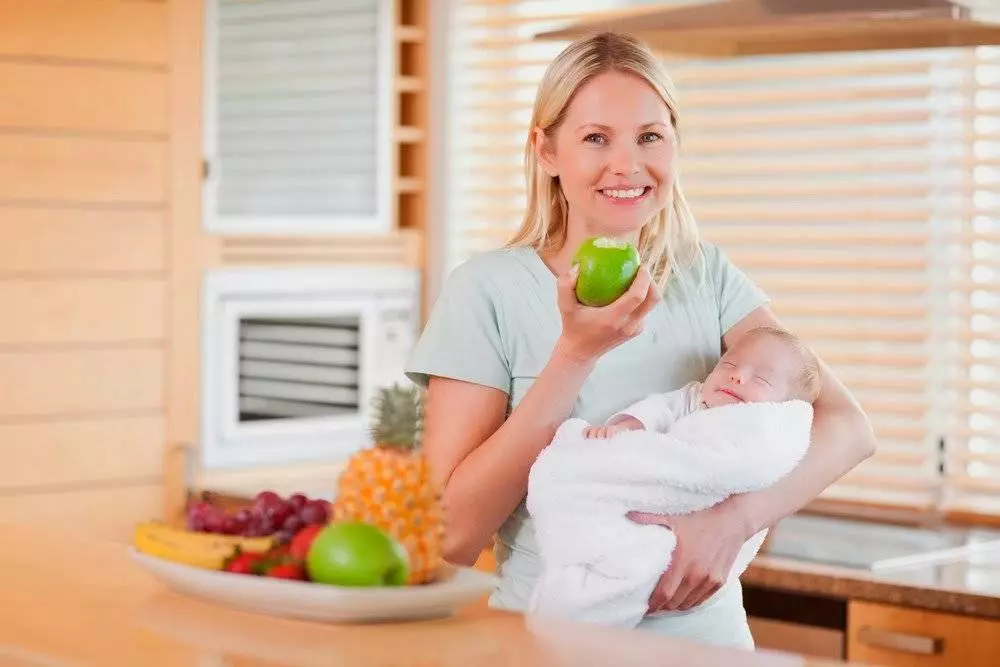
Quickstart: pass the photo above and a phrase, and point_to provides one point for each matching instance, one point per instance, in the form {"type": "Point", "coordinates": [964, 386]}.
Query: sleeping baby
{"type": "Point", "coordinates": [743, 428]}
{"type": "Point", "coordinates": [767, 365]}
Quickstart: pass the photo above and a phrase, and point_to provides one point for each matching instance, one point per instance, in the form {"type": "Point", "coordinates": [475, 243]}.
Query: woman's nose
{"type": "Point", "coordinates": [736, 377]}
{"type": "Point", "coordinates": [625, 160]}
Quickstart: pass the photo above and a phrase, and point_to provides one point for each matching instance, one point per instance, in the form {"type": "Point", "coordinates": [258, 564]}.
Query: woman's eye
{"type": "Point", "coordinates": [763, 380]}
{"type": "Point", "coordinates": [649, 137]}
{"type": "Point", "coordinates": [595, 138]}
{"type": "Point", "coordinates": [728, 364]}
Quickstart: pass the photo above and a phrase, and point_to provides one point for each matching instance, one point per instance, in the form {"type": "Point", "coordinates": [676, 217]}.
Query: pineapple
{"type": "Point", "coordinates": [390, 484]}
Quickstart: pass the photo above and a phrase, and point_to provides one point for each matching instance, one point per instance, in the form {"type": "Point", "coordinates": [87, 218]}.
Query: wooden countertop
{"type": "Point", "coordinates": [71, 600]}
{"type": "Point", "coordinates": [828, 557]}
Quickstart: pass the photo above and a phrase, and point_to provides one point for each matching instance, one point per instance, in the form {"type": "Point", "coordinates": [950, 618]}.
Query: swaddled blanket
{"type": "Point", "coordinates": [601, 567]}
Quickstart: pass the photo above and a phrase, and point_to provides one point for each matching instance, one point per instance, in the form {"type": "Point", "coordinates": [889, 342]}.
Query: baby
{"type": "Point", "coordinates": [766, 365]}
{"type": "Point", "coordinates": [743, 428]}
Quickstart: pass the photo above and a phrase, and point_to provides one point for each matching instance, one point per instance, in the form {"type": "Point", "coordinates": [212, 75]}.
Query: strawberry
{"type": "Point", "coordinates": [292, 570]}
{"type": "Point", "coordinates": [299, 546]}
{"type": "Point", "coordinates": [243, 563]}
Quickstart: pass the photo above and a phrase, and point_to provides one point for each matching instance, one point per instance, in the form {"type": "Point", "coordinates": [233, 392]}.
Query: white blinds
{"type": "Point", "coordinates": [861, 191]}
{"type": "Point", "coordinates": [299, 114]}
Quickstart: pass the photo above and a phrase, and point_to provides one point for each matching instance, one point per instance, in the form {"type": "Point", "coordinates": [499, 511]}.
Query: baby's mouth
{"type": "Point", "coordinates": [731, 394]}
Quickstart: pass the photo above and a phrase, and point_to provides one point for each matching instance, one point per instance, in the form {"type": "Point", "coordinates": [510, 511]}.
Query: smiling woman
{"type": "Point", "coordinates": [509, 353]}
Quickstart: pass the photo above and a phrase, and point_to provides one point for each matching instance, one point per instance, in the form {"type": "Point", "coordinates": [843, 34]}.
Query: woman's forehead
{"type": "Point", "coordinates": [616, 99]}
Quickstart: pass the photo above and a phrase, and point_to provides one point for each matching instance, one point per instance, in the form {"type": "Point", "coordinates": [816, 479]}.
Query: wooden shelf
{"type": "Point", "coordinates": [409, 185]}
{"type": "Point", "coordinates": [409, 84]}
{"type": "Point", "coordinates": [410, 34]}
{"type": "Point", "coordinates": [410, 135]}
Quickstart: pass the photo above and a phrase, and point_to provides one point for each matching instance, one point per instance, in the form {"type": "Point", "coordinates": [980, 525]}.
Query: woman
{"type": "Point", "coordinates": [508, 353]}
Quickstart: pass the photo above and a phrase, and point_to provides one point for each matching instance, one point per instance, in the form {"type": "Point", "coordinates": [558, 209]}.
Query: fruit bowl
{"type": "Point", "coordinates": [457, 587]}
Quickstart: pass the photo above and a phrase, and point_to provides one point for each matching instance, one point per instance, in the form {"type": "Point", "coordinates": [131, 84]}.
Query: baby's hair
{"type": "Point", "coordinates": [808, 382]}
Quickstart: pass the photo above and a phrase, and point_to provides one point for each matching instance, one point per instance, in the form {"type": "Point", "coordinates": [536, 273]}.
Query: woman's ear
{"type": "Point", "coordinates": [544, 151]}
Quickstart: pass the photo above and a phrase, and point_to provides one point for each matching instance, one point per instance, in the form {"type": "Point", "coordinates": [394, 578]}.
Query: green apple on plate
{"type": "Point", "coordinates": [354, 553]}
{"type": "Point", "coordinates": [607, 268]}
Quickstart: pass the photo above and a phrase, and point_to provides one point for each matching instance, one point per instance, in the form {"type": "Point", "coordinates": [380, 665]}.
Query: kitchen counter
{"type": "Point", "coordinates": [70, 599]}
{"type": "Point", "coordinates": [952, 570]}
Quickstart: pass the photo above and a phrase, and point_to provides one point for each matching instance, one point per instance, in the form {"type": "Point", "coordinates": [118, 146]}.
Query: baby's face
{"type": "Point", "coordinates": [759, 370]}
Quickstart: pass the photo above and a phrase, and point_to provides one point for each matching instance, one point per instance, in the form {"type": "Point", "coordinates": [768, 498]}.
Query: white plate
{"type": "Point", "coordinates": [321, 602]}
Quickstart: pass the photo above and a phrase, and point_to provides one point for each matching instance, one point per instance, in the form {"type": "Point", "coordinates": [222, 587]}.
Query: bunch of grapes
{"type": "Point", "coordinates": [270, 514]}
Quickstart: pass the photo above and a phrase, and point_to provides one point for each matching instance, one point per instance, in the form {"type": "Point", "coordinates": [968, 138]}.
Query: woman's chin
{"type": "Point", "coordinates": [618, 224]}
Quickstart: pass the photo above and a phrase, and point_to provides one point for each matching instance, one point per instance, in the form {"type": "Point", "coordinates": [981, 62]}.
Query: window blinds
{"type": "Point", "coordinates": [299, 114]}
{"type": "Point", "coordinates": [861, 191]}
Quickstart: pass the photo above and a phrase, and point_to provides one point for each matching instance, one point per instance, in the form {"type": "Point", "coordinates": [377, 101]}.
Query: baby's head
{"type": "Point", "coordinates": [766, 364]}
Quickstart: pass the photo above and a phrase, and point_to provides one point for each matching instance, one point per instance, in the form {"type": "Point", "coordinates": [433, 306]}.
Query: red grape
{"type": "Point", "coordinates": [265, 525]}
{"type": "Point", "coordinates": [266, 499]}
{"type": "Point", "coordinates": [314, 511]}
{"type": "Point", "coordinates": [284, 536]}
{"type": "Point", "coordinates": [215, 521]}
{"type": "Point", "coordinates": [279, 513]}
{"type": "Point", "coordinates": [293, 523]}
{"type": "Point", "coordinates": [230, 526]}
{"type": "Point", "coordinates": [298, 500]}
{"type": "Point", "coordinates": [196, 514]}
{"type": "Point", "coordinates": [242, 518]}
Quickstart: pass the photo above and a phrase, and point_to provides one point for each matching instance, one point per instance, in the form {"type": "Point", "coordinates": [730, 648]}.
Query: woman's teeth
{"type": "Point", "coordinates": [631, 193]}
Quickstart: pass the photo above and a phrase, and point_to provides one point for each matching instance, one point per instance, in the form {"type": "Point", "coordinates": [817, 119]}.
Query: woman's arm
{"type": "Point", "coordinates": [709, 541]}
{"type": "Point", "coordinates": [480, 459]}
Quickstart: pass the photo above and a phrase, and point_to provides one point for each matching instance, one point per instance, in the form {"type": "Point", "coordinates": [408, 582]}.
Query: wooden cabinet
{"type": "Point", "coordinates": [880, 634]}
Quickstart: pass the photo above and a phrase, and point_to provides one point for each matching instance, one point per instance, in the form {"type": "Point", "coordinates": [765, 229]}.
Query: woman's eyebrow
{"type": "Point", "coordinates": [607, 128]}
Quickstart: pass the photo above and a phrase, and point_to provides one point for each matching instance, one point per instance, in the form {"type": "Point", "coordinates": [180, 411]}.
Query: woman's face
{"type": "Point", "coordinates": [614, 154]}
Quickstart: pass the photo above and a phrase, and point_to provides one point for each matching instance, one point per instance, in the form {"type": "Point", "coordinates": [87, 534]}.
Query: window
{"type": "Point", "coordinates": [861, 191]}
{"type": "Point", "coordinates": [299, 116]}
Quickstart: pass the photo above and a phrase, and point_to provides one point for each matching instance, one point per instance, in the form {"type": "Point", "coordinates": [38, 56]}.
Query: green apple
{"type": "Point", "coordinates": [607, 269]}
{"type": "Point", "coordinates": [354, 553]}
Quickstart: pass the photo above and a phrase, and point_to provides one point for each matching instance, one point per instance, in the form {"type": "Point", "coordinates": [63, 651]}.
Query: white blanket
{"type": "Point", "coordinates": [601, 567]}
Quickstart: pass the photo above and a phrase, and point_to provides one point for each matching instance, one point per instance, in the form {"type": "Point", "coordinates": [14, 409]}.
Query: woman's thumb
{"type": "Point", "coordinates": [647, 517]}
{"type": "Point", "coordinates": [567, 287]}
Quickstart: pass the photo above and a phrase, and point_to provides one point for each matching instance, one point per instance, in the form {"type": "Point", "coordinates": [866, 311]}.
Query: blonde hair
{"type": "Point", "coordinates": [808, 382]}
{"type": "Point", "coordinates": [670, 240]}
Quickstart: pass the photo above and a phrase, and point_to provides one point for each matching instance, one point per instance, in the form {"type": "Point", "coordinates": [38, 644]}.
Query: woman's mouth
{"type": "Point", "coordinates": [626, 196]}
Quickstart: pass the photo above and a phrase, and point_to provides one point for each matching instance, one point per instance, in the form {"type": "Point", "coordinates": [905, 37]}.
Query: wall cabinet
{"type": "Point", "coordinates": [881, 634]}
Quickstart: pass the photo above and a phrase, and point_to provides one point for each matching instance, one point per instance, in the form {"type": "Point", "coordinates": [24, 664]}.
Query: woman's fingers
{"type": "Point", "coordinates": [708, 588]}
{"type": "Point", "coordinates": [688, 584]}
{"type": "Point", "coordinates": [566, 289]}
{"type": "Point", "coordinates": [635, 296]}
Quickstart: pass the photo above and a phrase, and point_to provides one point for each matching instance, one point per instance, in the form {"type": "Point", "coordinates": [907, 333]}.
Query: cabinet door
{"type": "Point", "coordinates": [887, 635]}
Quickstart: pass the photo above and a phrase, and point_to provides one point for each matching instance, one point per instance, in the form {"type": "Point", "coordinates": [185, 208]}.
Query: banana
{"type": "Point", "coordinates": [205, 550]}
{"type": "Point", "coordinates": [204, 559]}
{"type": "Point", "coordinates": [194, 540]}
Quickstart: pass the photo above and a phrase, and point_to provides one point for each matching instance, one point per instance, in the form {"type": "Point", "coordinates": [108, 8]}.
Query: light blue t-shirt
{"type": "Point", "coordinates": [495, 323]}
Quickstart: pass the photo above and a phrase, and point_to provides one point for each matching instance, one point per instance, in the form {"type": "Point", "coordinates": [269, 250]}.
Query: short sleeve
{"type": "Point", "coordinates": [462, 338]}
{"type": "Point", "coordinates": [737, 295]}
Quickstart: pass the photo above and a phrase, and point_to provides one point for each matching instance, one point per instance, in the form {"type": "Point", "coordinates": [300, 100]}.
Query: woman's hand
{"type": "Point", "coordinates": [589, 332]}
{"type": "Point", "coordinates": [707, 545]}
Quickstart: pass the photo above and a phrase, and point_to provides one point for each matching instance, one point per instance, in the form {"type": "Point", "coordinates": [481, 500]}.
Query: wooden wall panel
{"type": "Point", "coordinates": [84, 241]}
{"type": "Point", "coordinates": [81, 169]}
{"type": "Point", "coordinates": [79, 451]}
{"type": "Point", "coordinates": [44, 95]}
{"type": "Point", "coordinates": [126, 32]}
{"type": "Point", "coordinates": [55, 383]}
{"type": "Point", "coordinates": [105, 512]}
{"type": "Point", "coordinates": [73, 240]}
{"type": "Point", "coordinates": [82, 311]}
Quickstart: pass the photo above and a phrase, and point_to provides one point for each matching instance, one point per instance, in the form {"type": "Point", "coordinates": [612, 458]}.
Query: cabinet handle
{"type": "Point", "coordinates": [900, 641]}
